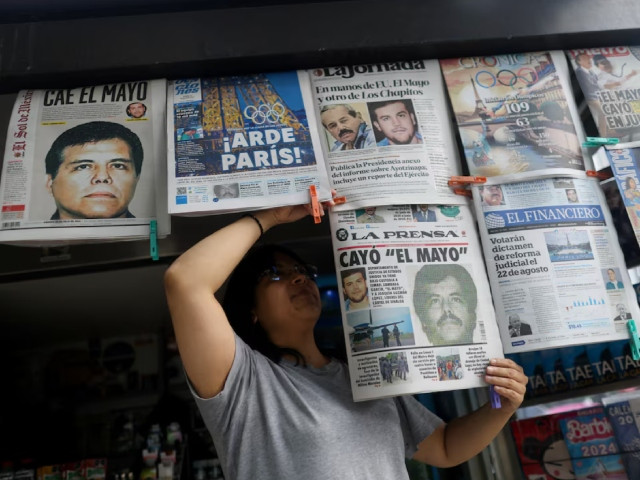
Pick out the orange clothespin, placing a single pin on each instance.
(457, 180)
(598, 175)
(339, 200)
(462, 191)
(315, 206)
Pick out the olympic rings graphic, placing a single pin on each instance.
(264, 113)
(507, 78)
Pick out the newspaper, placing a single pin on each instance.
(414, 297)
(624, 164)
(387, 135)
(85, 164)
(242, 143)
(555, 266)
(609, 78)
(515, 112)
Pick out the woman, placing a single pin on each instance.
(288, 412)
(631, 191)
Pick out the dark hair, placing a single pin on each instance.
(136, 103)
(430, 274)
(352, 271)
(599, 59)
(350, 110)
(373, 106)
(627, 182)
(577, 59)
(93, 132)
(240, 299)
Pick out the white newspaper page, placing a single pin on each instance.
(609, 78)
(515, 112)
(557, 273)
(85, 164)
(242, 143)
(386, 131)
(415, 299)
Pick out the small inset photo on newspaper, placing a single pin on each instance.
(394, 122)
(449, 364)
(568, 246)
(394, 368)
(347, 126)
(379, 328)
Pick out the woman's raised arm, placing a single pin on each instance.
(205, 338)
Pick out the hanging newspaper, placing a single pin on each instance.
(556, 270)
(624, 164)
(414, 299)
(515, 112)
(387, 133)
(85, 164)
(242, 143)
(610, 81)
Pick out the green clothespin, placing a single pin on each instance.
(153, 240)
(600, 141)
(635, 339)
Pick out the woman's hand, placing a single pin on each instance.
(509, 382)
(288, 214)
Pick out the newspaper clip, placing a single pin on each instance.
(598, 175)
(462, 191)
(599, 141)
(495, 398)
(634, 341)
(338, 200)
(315, 206)
(458, 180)
(153, 240)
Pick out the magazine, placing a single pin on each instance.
(609, 78)
(592, 446)
(386, 131)
(542, 452)
(515, 112)
(412, 285)
(242, 143)
(556, 270)
(624, 162)
(85, 164)
(623, 411)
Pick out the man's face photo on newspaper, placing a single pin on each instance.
(445, 301)
(94, 180)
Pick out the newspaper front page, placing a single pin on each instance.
(556, 270)
(85, 164)
(609, 78)
(414, 299)
(515, 112)
(387, 136)
(624, 164)
(242, 143)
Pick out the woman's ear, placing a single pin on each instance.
(254, 317)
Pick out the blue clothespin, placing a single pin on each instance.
(599, 141)
(634, 341)
(495, 398)
(153, 240)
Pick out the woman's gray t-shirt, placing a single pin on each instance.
(281, 421)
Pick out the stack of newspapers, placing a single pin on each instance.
(85, 165)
